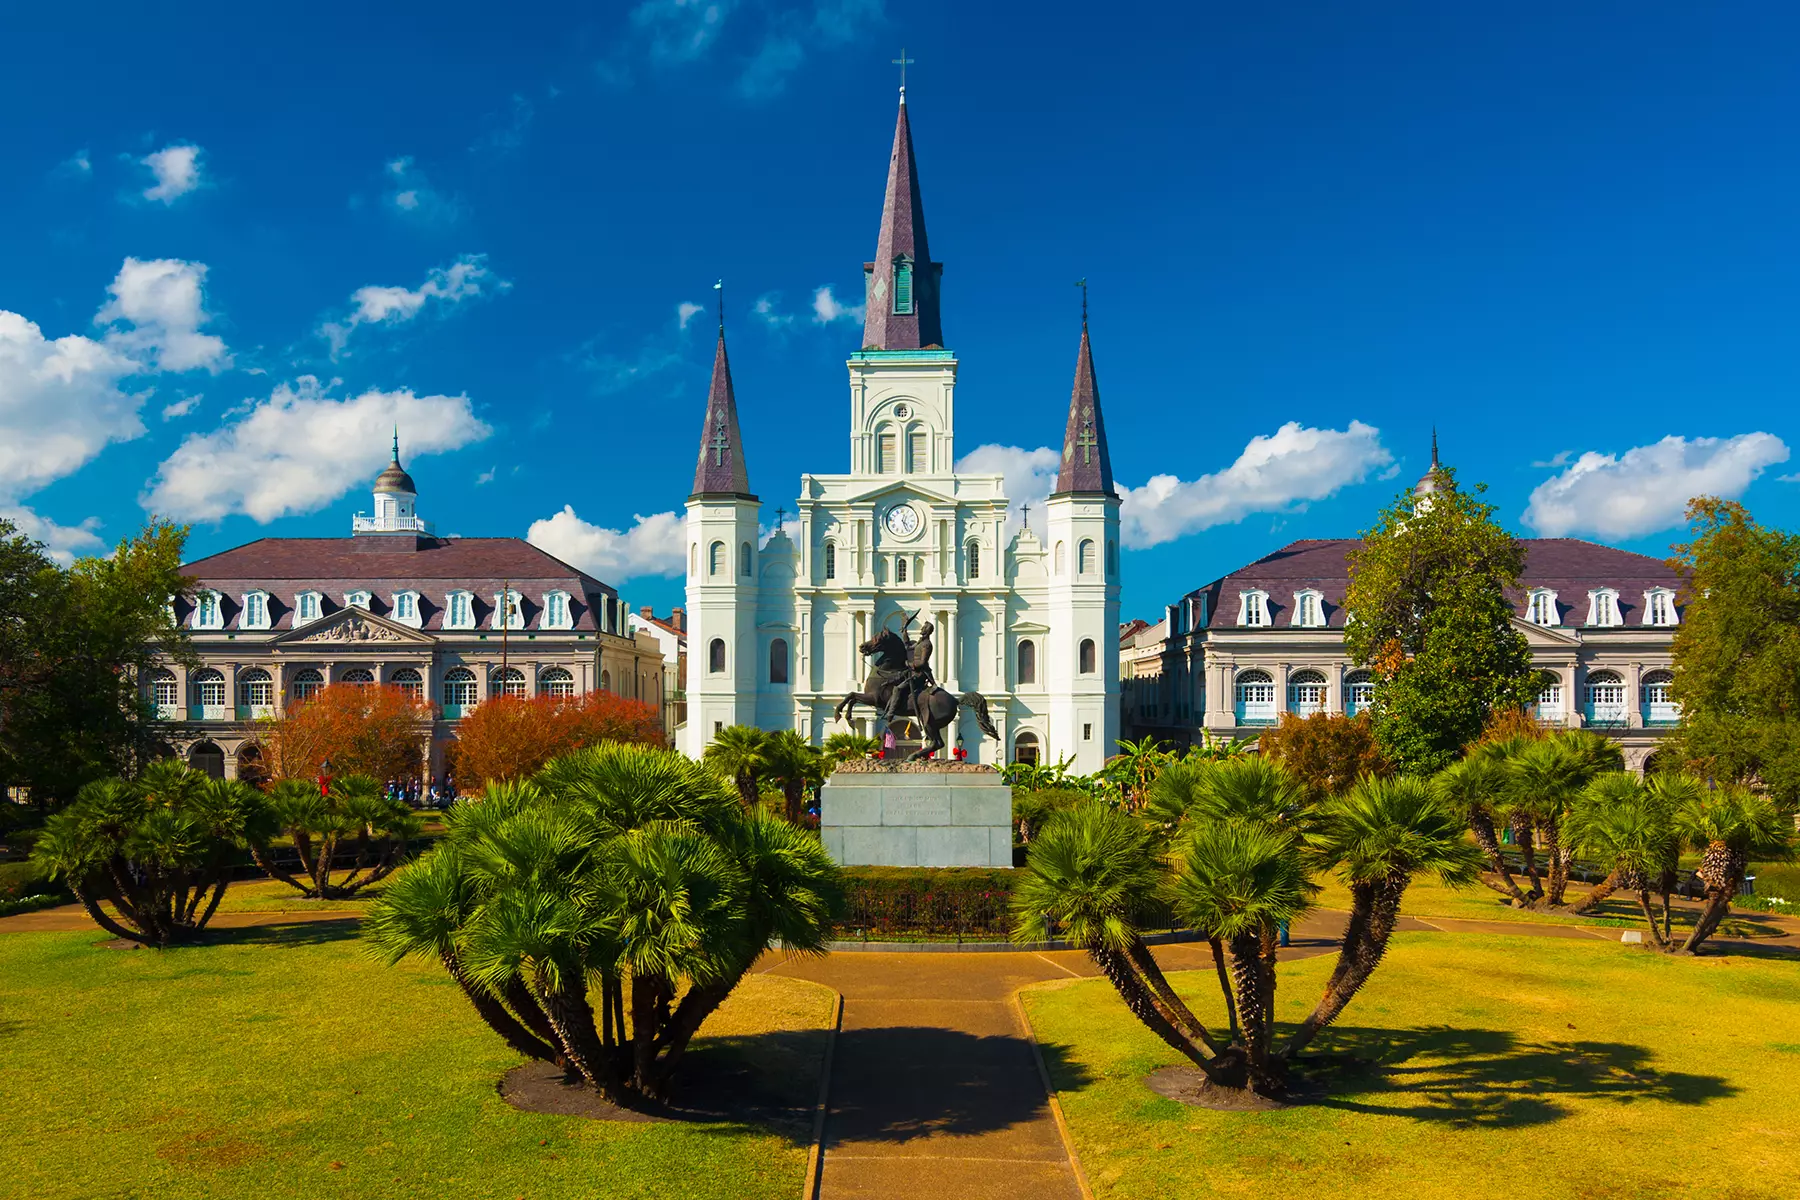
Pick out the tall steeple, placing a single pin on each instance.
(901, 285)
(1086, 465)
(721, 471)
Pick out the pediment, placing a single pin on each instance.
(1545, 635)
(1028, 627)
(353, 626)
(900, 487)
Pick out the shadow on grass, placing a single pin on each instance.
(900, 1083)
(315, 932)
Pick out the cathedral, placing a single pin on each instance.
(1030, 622)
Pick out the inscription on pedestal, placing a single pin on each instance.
(917, 819)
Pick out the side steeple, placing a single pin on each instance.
(1086, 465)
(721, 471)
(901, 285)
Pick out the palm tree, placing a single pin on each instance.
(1544, 779)
(843, 747)
(1135, 767)
(1731, 827)
(1630, 829)
(792, 764)
(354, 810)
(1377, 836)
(736, 752)
(1473, 787)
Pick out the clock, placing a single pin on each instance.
(902, 520)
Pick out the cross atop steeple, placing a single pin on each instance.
(1086, 465)
(721, 471)
(903, 62)
(901, 284)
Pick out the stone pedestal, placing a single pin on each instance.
(916, 815)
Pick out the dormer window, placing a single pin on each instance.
(208, 613)
(1659, 607)
(903, 287)
(1540, 609)
(459, 611)
(508, 610)
(1309, 609)
(357, 599)
(1603, 608)
(1253, 609)
(556, 610)
(406, 608)
(306, 607)
(256, 611)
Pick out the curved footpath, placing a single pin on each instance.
(937, 1089)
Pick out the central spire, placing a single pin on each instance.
(721, 470)
(901, 285)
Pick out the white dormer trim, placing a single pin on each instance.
(1603, 608)
(459, 609)
(1309, 609)
(1659, 607)
(359, 598)
(405, 610)
(255, 613)
(509, 610)
(209, 610)
(1253, 609)
(308, 606)
(558, 610)
(1540, 607)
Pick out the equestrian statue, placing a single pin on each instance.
(900, 682)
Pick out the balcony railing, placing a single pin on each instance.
(1256, 713)
(1662, 715)
(208, 712)
(362, 523)
(1605, 716)
(255, 712)
(456, 712)
(170, 712)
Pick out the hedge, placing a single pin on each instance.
(964, 904)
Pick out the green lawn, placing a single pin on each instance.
(283, 1063)
(1508, 1067)
(272, 895)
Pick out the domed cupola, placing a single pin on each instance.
(1433, 481)
(396, 498)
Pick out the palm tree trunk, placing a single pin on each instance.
(643, 1029)
(683, 1024)
(1267, 944)
(1143, 1005)
(1218, 953)
(1722, 869)
(495, 1014)
(212, 905)
(572, 1020)
(793, 790)
(1559, 865)
(1657, 937)
(1146, 965)
(1715, 910)
(91, 903)
(1481, 824)
(266, 861)
(1247, 971)
(1599, 892)
(1374, 908)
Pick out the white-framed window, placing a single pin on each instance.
(1306, 693)
(208, 688)
(1027, 661)
(1550, 703)
(509, 681)
(1359, 692)
(308, 605)
(357, 677)
(972, 552)
(778, 661)
(409, 681)
(1605, 700)
(255, 690)
(1255, 698)
(715, 656)
(509, 610)
(556, 611)
(209, 613)
(1603, 608)
(308, 682)
(900, 570)
(1309, 609)
(165, 693)
(1084, 557)
(1085, 656)
(406, 608)
(459, 611)
(1659, 699)
(830, 560)
(1253, 609)
(256, 611)
(887, 451)
(357, 599)
(916, 461)
(1659, 607)
(1540, 607)
(555, 681)
(460, 688)
(715, 558)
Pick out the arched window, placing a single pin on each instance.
(507, 682)
(1253, 608)
(308, 683)
(358, 676)
(209, 688)
(1059, 558)
(694, 558)
(1309, 609)
(1112, 559)
(164, 692)
(1659, 607)
(887, 452)
(556, 682)
(1028, 661)
(1603, 608)
(973, 551)
(460, 690)
(255, 689)
(208, 759)
(410, 682)
(744, 554)
(715, 656)
(1025, 747)
(899, 570)
(306, 607)
(406, 608)
(462, 611)
(1659, 699)
(1306, 693)
(1359, 692)
(831, 560)
(357, 599)
(556, 610)
(1605, 699)
(1084, 557)
(1550, 705)
(256, 611)
(915, 451)
(1541, 608)
(715, 559)
(1086, 656)
(1255, 698)
(778, 661)
(606, 681)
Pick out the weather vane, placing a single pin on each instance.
(719, 287)
(1082, 284)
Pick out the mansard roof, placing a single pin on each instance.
(1569, 567)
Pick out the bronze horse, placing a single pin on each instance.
(934, 711)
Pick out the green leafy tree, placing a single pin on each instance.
(794, 766)
(149, 858)
(598, 913)
(1329, 752)
(1737, 651)
(738, 753)
(1429, 616)
(843, 747)
(1732, 827)
(1135, 767)
(352, 812)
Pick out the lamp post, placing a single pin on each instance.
(325, 778)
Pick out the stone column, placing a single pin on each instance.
(1282, 670)
(953, 646)
(231, 699)
(278, 686)
(1334, 690)
(1634, 696)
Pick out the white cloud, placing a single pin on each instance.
(300, 449)
(1030, 474)
(177, 171)
(486, 476)
(1647, 488)
(765, 310)
(376, 305)
(652, 546)
(672, 34)
(1279, 472)
(181, 407)
(156, 311)
(411, 194)
(78, 163)
(62, 542)
(826, 308)
(686, 311)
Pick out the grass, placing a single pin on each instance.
(272, 895)
(281, 1062)
(1506, 1066)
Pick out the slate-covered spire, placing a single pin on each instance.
(721, 471)
(902, 282)
(1086, 466)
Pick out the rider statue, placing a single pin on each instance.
(917, 680)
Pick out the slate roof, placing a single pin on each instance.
(1568, 566)
(383, 564)
(721, 469)
(1086, 465)
(902, 233)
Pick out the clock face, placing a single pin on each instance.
(902, 520)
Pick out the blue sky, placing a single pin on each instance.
(233, 249)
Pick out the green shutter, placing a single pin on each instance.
(903, 300)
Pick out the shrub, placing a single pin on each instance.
(363, 729)
(964, 903)
(512, 737)
(25, 881)
(1031, 807)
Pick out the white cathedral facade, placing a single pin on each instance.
(1030, 622)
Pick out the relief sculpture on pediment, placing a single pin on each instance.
(354, 628)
